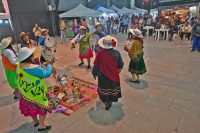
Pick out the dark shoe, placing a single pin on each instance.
(15, 96)
(81, 64)
(108, 105)
(192, 50)
(37, 124)
(88, 67)
(131, 80)
(137, 81)
(48, 128)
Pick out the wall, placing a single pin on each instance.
(25, 13)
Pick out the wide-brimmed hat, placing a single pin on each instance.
(23, 33)
(5, 42)
(44, 30)
(24, 53)
(136, 32)
(107, 42)
(98, 24)
(82, 28)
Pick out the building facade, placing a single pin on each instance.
(108, 3)
(171, 4)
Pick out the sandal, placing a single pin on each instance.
(48, 128)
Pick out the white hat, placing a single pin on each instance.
(107, 42)
(44, 30)
(5, 42)
(97, 24)
(82, 28)
(136, 32)
(24, 53)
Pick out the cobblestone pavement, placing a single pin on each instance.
(166, 101)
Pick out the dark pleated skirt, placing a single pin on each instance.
(108, 90)
(137, 65)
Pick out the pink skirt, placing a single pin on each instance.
(30, 109)
(87, 56)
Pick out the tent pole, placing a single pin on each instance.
(13, 30)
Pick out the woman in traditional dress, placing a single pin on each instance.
(9, 61)
(85, 51)
(137, 65)
(48, 49)
(27, 42)
(107, 66)
(33, 101)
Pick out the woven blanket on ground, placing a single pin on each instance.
(73, 96)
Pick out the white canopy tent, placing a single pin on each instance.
(127, 10)
(154, 12)
(105, 10)
(119, 11)
(80, 11)
(138, 10)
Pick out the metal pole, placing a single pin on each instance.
(13, 30)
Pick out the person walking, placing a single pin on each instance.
(107, 66)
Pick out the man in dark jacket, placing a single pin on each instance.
(196, 35)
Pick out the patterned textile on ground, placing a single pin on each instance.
(72, 94)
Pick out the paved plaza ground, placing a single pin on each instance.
(166, 101)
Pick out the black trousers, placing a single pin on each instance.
(187, 35)
(37, 38)
(124, 29)
(120, 27)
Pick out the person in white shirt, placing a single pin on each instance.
(186, 30)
